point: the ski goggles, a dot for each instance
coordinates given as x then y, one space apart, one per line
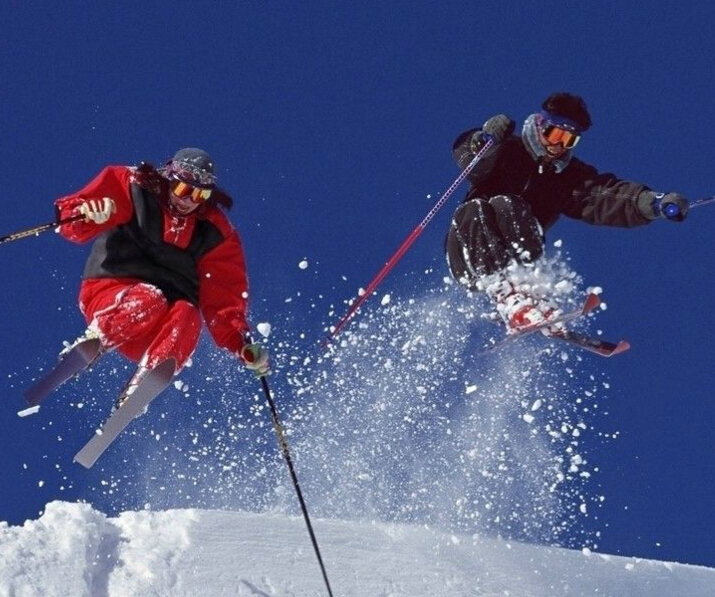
555 134
184 190
559 129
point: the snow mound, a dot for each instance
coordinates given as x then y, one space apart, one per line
76 550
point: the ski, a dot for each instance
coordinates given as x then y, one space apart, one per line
74 361
591 302
594 345
149 388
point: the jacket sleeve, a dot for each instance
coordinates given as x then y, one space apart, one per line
223 292
466 146
603 199
112 182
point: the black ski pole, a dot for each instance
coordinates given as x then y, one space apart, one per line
37 229
280 433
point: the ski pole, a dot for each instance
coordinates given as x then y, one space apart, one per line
280 433
672 210
37 229
407 243
700 202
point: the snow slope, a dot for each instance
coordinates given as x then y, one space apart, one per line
73 550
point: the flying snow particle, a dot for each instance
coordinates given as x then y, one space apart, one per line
303 264
564 286
264 329
385 300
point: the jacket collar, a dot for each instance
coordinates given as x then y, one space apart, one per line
530 138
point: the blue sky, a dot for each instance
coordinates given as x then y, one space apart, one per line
331 126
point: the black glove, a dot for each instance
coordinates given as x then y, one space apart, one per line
498 128
671 206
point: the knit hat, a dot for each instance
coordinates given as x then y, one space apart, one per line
193 166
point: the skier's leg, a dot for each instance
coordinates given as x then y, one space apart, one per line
487 236
525 240
123 314
474 245
176 336
520 230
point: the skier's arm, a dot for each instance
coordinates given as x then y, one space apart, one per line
112 182
223 293
469 143
604 199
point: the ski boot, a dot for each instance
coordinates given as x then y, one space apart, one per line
88 336
519 310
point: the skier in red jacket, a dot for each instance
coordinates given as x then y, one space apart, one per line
165 256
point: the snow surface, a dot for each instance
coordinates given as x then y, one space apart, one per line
73 550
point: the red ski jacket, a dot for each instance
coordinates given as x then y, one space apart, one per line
198 257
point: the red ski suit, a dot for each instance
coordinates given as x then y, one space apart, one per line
153 275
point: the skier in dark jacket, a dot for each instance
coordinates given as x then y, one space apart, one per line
164 257
520 188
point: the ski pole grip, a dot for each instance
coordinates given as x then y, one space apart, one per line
671 211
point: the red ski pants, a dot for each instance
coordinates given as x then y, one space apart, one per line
136 318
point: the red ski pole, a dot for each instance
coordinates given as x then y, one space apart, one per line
407 243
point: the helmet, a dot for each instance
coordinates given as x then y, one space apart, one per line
193 166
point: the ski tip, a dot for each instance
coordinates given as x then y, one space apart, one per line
622 346
593 301
29 411
611 350
86 463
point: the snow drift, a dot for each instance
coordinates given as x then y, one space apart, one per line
73 550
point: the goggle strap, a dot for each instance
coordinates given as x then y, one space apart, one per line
561 121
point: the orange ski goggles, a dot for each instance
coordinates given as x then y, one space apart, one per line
558 129
182 190
554 134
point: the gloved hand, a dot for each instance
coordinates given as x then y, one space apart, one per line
98 210
255 357
671 206
498 128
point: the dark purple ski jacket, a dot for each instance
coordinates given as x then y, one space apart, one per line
579 191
